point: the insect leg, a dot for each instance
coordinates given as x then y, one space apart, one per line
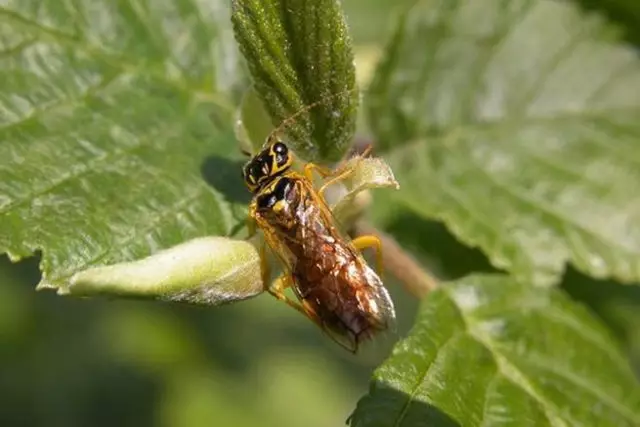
370 241
277 290
342 172
251 222
341 175
265 267
322 171
251 227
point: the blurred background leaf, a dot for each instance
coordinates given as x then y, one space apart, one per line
78 362
487 350
299 52
516 125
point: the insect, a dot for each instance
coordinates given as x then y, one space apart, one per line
332 281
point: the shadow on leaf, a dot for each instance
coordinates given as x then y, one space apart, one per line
224 175
617 305
386 406
624 14
444 253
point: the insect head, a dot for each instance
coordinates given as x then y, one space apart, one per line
266 165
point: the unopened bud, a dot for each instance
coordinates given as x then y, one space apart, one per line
206 270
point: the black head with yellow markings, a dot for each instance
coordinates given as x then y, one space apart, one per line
267 164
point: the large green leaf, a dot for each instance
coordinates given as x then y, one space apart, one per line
299 53
112 119
516 123
488 351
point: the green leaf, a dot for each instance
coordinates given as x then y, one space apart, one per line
113 116
488 351
516 123
299 53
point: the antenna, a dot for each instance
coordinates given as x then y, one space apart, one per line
286 122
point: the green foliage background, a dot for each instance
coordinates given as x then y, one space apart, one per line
78 362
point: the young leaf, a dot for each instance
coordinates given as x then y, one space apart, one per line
206 270
516 123
109 118
368 173
299 53
489 351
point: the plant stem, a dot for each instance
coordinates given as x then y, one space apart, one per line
401 264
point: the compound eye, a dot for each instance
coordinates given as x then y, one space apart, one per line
280 148
282 154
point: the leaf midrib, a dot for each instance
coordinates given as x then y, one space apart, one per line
422 375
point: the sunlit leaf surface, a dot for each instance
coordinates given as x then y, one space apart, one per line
516 123
487 351
115 138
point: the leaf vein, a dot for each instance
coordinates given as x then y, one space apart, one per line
62 103
554 313
119 60
544 208
489 390
614 77
548 69
498 38
543 363
550 162
87 167
422 376
137 231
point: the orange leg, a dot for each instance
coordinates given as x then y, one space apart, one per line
322 171
371 241
251 227
337 175
277 289
342 175
265 268
251 221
